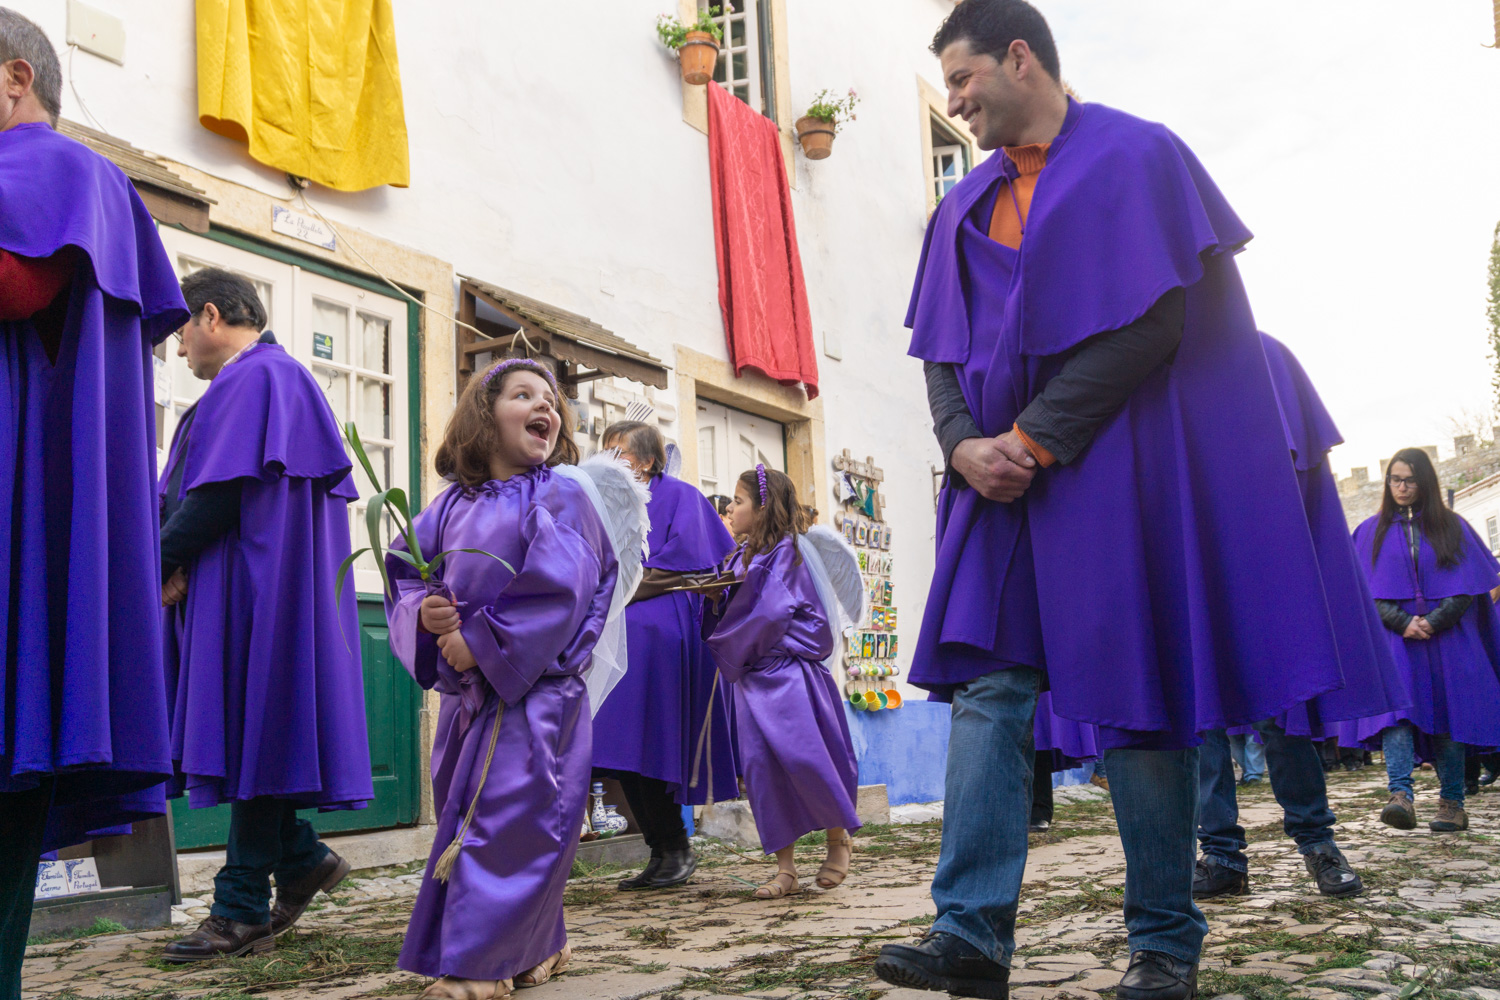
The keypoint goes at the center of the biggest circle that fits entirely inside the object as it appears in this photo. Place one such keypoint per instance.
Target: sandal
(830, 877)
(453, 988)
(775, 888)
(554, 966)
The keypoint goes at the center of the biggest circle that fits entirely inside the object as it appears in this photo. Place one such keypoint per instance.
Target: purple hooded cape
(1454, 677)
(794, 746)
(1136, 576)
(1372, 682)
(532, 630)
(262, 661)
(651, 722)
(81, 579)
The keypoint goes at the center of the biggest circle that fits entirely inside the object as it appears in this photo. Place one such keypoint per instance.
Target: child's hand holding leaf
(456, 651)
(439, 616)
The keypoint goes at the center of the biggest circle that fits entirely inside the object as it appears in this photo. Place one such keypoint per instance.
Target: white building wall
(1479, 507)
(549, 155)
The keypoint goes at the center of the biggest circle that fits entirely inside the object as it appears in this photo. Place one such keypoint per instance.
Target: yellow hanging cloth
(311, 85)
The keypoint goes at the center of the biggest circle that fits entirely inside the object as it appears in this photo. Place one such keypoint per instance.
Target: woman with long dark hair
(1431, 577)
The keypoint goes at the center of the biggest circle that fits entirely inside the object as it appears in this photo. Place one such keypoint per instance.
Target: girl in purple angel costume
(520, 631)
(774, 637)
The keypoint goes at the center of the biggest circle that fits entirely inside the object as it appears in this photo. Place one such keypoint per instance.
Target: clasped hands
(999, 468)
(440, 617)
(1418, 628)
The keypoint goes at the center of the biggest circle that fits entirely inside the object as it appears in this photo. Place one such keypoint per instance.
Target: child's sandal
(453, 988)
(830, 877)
(554, 966)
(775, 889)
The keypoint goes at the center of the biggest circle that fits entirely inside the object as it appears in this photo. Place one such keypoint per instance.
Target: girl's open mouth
(539, 428)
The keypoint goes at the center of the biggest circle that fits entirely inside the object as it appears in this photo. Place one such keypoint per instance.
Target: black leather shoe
(943, 962)
(676, 868)
(1039, 824)
(643, 880)
(1327, 864)
(1488, 777)
(1211, 879)
(292, 899)
(1155, 976)
(220, 937)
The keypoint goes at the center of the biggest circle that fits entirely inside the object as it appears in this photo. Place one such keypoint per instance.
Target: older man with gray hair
(86, 290)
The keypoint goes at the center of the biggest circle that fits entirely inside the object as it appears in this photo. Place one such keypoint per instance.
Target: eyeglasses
(1395, 481)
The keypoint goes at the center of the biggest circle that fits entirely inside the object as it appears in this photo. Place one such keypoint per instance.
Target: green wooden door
(392, 701)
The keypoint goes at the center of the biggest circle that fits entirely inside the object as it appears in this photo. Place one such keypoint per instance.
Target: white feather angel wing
(621, 503)
(828, 556)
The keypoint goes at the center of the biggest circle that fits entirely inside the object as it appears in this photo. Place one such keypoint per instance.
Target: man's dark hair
(640, 439)
(20, 39)
(234, 296)
(990, 26)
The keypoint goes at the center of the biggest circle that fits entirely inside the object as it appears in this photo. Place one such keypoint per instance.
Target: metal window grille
(745, 52)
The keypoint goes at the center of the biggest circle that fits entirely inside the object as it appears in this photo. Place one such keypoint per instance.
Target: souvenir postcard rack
(869, 659)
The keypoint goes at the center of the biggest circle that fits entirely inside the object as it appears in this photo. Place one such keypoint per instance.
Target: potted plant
(821, 122)
(696, 44)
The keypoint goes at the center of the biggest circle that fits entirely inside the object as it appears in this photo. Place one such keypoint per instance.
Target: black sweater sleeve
(1447, 614)
(1391, 615)
(1100, 376)
(951, 420)
(205, 515)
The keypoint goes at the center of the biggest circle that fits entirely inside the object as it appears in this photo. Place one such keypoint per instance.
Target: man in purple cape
(1372, 683)
(646, 735)
(85, 291)
(1078, 307)
(262, 662)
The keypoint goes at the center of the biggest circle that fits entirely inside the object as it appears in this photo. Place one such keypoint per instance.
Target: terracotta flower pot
(816, 137)
(698, 55)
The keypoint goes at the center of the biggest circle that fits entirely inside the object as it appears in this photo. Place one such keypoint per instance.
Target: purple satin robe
(794, 746)
(651, 722)
(1136, 575)
(81, 584)
(1454, 677)
(262, 660)
(532, 629)
(1372, 682)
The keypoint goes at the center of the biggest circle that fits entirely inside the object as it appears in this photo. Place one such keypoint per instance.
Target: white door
(352, 340)
(732, 441)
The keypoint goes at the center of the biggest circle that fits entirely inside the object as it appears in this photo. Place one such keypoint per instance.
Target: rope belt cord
(443, 870)
(703, 735)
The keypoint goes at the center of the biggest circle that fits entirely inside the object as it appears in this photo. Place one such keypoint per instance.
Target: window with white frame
(1494, 532)
(745, 56)
(952, 158)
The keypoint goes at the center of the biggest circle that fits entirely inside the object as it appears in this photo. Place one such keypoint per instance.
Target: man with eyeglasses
(85, 291)
(261, 653)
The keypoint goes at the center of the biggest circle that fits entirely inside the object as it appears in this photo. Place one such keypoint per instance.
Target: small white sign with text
(66, 878)
(302, 227)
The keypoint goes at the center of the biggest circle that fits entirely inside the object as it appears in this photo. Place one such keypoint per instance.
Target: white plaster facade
(1479, 504)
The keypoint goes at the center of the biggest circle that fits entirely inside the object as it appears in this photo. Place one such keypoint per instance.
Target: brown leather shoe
(220, 937)
(292, 899)
(1399, 812)
(1450, 818)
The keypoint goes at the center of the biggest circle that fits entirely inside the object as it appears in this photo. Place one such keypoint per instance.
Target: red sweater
(30, 284)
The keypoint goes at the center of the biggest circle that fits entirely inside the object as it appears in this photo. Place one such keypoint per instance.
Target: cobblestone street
(1428, 925)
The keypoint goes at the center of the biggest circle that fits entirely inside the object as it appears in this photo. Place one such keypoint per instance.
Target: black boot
(676, 868)
(1327, 864)
(1211, 879)
(1157, 976)
(943, 962)
(643, 880)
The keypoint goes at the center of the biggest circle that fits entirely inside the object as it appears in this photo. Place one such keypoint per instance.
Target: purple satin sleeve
(756, 619)
(417, 650)
(522, 633)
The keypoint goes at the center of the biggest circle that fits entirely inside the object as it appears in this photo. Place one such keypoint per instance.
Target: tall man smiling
(1101, 394)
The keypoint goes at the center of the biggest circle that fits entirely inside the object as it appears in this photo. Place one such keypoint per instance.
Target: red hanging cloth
(761, 290)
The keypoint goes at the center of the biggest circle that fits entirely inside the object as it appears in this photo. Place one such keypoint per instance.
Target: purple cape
(1372, 682)
(794, 745)
(81, 587)
(1069, 742)
(1140, 568)
(651, 722)
(262, 661)
(532, 629)
(1454, 677)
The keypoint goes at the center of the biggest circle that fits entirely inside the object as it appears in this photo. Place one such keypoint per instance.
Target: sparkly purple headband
(760, 475)
(510, 363)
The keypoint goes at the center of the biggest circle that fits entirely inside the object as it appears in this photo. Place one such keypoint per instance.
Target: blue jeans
(1249, 755)
(987, 804)
(1399, 744)
(265, 837)
(1296, 778)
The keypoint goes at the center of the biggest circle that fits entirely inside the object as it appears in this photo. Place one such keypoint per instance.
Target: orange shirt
(1006, 226)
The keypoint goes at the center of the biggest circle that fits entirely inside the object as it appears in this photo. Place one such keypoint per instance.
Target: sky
(1360, 142)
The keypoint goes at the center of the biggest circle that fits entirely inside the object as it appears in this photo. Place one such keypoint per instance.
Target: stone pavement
(1428, 926)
